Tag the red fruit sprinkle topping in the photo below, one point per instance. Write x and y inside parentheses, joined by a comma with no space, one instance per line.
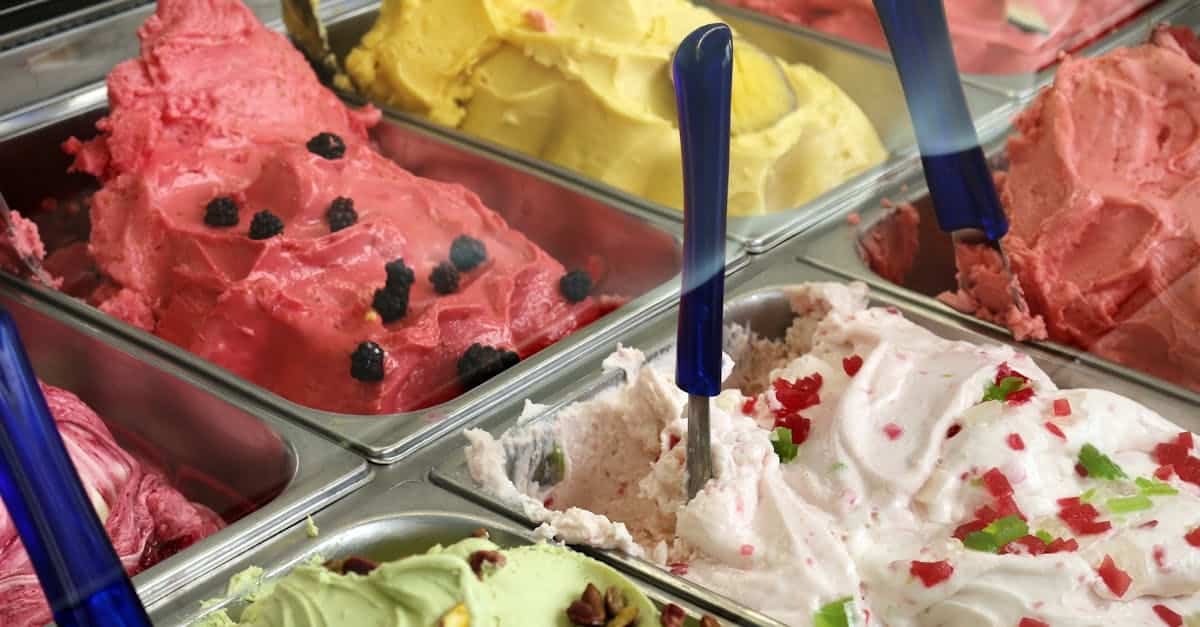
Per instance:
(953,430)
(931,573)
(1003,371)
(1032,622)
(1062,407)
(1060,545)
(1193,537)
(1149,524)
(852,364)
(750,405)
(1164,472)
(672,441)
(893,431)
(800,394)
(1080,470)
(997,483)
(1169,617)
(1160,556)
(1178,454)
(678,568)
(1185,440)
(1081,517)
(1015,442)
(747,550)
(1020,397)
(1053,428)
(1116,579)
(799,425)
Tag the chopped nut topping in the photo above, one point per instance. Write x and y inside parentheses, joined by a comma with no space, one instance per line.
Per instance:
(582,613)
(352,564)
(709,621)
(624,618)
(481,533)
(458,616)
(609,610)
(478,558)
(614,600)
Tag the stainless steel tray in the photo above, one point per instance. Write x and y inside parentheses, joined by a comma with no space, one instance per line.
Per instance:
(387,521)
(761,305)
(1021,86)
(566,219)
(271,473)
(835,247)
(870,80)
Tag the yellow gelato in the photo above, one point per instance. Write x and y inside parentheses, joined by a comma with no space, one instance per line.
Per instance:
(587,85)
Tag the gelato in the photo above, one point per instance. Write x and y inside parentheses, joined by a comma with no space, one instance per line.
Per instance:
(146,519)
(587,85)
(245,217)
(985,41)
(882,476)
(471,582)
(1101,193)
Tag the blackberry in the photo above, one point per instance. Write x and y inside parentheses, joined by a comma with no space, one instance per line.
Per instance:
(466,253)
(391,304)
(221,211)
(399,276)
(480,363)
(366,362)
(444,278)
(575,285)
(341,214)
(265,225)
(327,145)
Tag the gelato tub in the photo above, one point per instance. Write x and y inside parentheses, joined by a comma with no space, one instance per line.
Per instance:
(871,83)
(238,298)
(767,307)
(375,527)
(259,473)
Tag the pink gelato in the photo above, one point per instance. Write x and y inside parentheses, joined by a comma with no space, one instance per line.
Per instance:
(984,41)
(1102,193)
(220,109)
(146,519)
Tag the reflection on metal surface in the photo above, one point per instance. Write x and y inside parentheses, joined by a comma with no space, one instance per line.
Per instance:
(260,474)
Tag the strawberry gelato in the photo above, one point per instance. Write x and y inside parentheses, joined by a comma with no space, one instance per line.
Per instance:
(1101,192)
(985,42)
(146,519)
(244,216)
(880,475)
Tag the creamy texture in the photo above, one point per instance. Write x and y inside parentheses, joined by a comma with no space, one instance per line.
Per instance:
(1101,193)
(587,85)
(219,105)
(899,444)
(985,42)
(146,519)
(534,586)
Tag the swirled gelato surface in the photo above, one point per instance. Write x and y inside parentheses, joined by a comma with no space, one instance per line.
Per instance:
(587,85)
(920,481)
(220,119)
(985,41)
(146,519)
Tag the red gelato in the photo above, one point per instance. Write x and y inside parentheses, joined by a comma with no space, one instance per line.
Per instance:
(984,41)
(146,519)
(219,107)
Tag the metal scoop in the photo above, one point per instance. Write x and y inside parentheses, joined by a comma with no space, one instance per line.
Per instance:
(34,265)
(308,34)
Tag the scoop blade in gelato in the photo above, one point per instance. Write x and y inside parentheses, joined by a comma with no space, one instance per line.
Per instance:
(586,85)
(921,481)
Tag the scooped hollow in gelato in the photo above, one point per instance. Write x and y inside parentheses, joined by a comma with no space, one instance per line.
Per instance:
(146,519)
(882,476)
(471,582)
(245,217)
(587,85)
(1101,192)
(985,41)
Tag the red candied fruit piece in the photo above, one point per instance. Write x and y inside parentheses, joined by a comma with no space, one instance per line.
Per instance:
(1193,537)
(852,364)
(953,430)
(1029,545)
(1185,440)
(750,405)
(678,568)
(797,395)
(1149,524)
(1015,442)
(997,483)
(1116,579)
(1178,456)
(931,573)
(1080,470)
(1168,616)
(1060,545)
(962,531)
(799,425)
(1020,397)
(1062,407)
(893,431)
(1032,622)
(1003,371)
(1081,517)
(1164,472)
(672,442)
(1053,428)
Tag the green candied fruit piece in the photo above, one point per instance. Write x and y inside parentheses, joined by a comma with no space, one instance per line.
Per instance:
(552,469)
(1150,487)
(1126,504)
(833,614)
(1098,464)
(785,448)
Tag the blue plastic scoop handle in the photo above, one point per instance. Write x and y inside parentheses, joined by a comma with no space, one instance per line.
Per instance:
(963,191)
(703,72)
(79,571)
